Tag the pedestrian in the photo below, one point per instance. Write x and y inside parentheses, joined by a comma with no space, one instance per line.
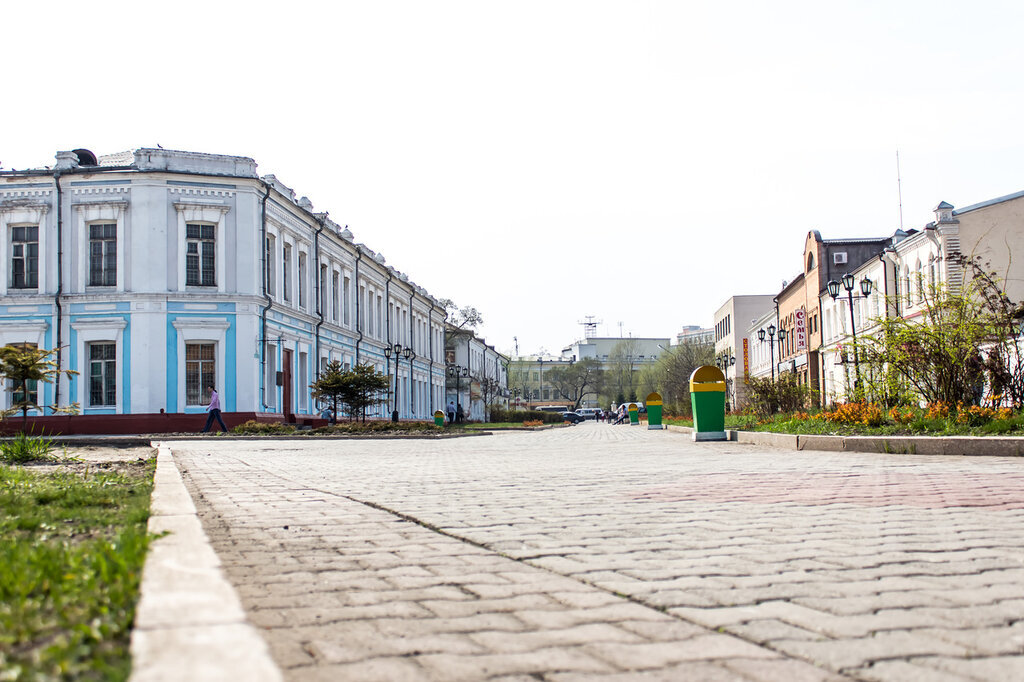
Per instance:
(214,410)
(327,414)
(451,411)
(460,416)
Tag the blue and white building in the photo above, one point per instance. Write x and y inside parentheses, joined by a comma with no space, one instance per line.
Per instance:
(158,272)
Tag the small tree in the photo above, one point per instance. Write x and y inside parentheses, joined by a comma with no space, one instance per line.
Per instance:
(362,387)
(577,380)
(330,387)
(22,363)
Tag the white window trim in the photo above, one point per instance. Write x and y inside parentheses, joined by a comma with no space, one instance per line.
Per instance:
(93,331)
(200,330)
(31,214)
(100,212)
(202,213)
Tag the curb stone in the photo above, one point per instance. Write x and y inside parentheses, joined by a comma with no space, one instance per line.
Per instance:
(189,624)
(957,446)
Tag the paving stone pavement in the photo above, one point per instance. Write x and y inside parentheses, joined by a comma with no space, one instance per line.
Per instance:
(617,553)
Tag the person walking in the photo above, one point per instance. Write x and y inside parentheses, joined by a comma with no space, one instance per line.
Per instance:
(451,411)
(214,410)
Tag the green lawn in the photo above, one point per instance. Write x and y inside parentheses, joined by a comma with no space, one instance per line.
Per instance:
(72,546)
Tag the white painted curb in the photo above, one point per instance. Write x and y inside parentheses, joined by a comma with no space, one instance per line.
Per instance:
(189,624)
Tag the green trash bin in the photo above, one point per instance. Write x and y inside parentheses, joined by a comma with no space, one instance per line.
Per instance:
(439,418)
(634,414)
(654,411)
(707,396)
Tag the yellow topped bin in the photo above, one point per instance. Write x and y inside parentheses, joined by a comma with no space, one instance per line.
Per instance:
(707,396)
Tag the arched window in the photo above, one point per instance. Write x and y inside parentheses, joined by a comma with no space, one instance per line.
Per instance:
(810,262)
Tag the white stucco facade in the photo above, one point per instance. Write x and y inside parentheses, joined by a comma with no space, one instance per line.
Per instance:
(157,271)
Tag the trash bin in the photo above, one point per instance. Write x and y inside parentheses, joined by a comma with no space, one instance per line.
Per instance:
(634,414)
(707,396)
(654,411)
(439,418)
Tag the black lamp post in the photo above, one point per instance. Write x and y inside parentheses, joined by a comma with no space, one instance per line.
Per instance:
(409,355)
(865,290)
(457,371)
(395,350)
(771,343)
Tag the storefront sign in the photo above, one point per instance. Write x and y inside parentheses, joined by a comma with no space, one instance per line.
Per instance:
(801,329)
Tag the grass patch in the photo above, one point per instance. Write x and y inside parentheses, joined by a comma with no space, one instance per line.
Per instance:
(22,449)
(72,547)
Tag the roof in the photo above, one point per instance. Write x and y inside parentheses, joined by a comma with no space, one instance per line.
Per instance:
(990,202)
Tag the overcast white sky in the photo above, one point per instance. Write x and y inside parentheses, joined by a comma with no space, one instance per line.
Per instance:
(639,162)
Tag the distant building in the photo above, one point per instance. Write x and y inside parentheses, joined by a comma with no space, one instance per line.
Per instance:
(477,374)
(732,343)
(696,334)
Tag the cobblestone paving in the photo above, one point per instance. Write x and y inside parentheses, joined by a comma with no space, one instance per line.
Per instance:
(617,553)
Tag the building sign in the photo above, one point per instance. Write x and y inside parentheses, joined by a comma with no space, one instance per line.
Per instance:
(746,360)
(801,329)
(449,356)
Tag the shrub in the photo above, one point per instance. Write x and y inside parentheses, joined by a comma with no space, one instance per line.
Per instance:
(785,394)
(23,449)
(501,415)
(379,427)
(255,428)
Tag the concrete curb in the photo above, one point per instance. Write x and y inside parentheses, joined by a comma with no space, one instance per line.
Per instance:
(189,624)
(958,446)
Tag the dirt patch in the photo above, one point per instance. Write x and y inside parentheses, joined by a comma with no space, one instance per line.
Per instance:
(84,458)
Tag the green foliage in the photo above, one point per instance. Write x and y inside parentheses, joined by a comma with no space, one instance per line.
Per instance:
(72,547)
(255,428)
(963,341)
(23,448)
(22,364)
(357,389)
(576,380)
(784,394)
(501,415)
(670,375)
(379,427)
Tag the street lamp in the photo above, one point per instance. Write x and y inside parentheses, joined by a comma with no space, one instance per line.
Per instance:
(865,290)
(457,371)
(395,350)
(409,355)
(771,344)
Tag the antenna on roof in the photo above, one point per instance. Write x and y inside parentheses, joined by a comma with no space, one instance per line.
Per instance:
(589,326)
(899,187)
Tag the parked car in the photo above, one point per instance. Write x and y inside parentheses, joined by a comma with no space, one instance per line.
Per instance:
(589,412)
(573,417)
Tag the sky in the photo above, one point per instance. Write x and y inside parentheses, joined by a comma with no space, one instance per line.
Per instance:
(633,162)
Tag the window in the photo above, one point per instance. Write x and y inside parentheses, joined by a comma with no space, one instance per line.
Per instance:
(347,299)
(25,257)
(103,255)
(335,296)
(199,371)
(302,280)
(269,264)
(322,303)
(200,255)
(286,261)
(102,374)
(18,394)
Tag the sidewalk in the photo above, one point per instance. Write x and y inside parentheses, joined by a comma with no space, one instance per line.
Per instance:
(615,553)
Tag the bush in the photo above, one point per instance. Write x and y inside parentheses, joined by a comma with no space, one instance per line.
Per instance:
(23,449)
(501,415)
(785,394)
(379,427)
(255,428)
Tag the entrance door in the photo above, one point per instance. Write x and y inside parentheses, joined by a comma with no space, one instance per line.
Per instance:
(286,370)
